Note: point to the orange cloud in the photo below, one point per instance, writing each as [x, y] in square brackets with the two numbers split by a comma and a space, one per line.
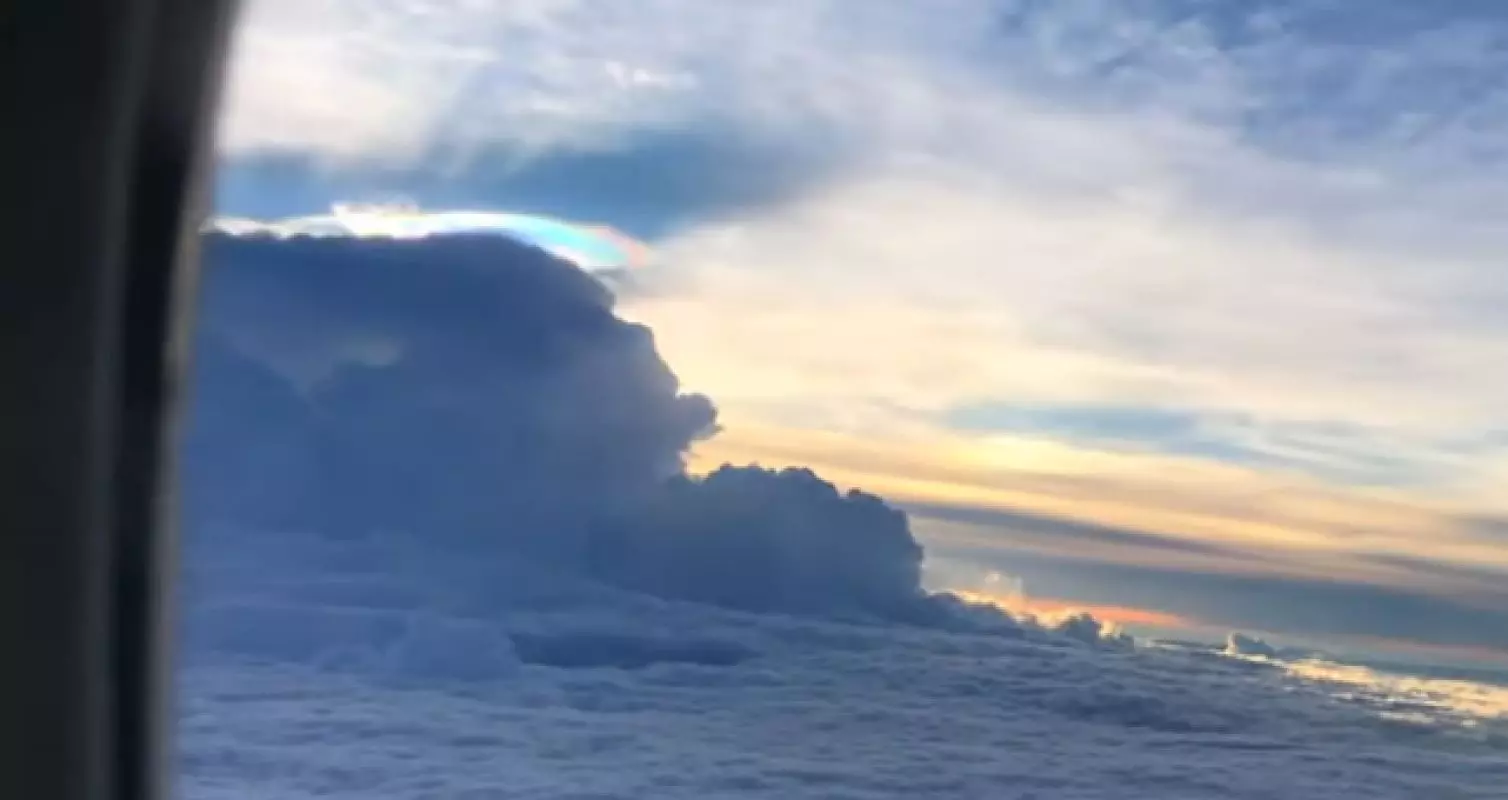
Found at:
[1051, 607]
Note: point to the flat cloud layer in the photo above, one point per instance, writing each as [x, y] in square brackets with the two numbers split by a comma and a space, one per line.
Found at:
[319, 668]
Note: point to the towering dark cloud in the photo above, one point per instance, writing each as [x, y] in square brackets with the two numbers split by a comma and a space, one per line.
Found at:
[482, 395]
[510, 397]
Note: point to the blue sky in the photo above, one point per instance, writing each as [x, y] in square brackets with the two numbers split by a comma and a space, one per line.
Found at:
[1221, 273]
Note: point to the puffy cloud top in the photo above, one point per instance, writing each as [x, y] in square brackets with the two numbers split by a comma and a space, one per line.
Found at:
[481, 394]
[750, 538]
[507, 398]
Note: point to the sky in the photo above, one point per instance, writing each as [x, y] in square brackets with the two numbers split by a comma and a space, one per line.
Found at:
[1188, 312]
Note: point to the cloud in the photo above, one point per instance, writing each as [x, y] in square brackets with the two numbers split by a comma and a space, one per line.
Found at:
[1093, 536]
[448, 649]
[1336, 452]
[771, 542]
[570, 75]
[1104, 300]
[517, 418]
[698, 175]
[514, 417]
[812, 708]
[1344, 613]
[1240, 644]
[588, 649]
[1113, 153]
[516, 392]
[1303, 526]
[582, 73]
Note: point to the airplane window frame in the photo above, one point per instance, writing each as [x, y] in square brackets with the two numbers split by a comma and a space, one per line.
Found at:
[104, 154]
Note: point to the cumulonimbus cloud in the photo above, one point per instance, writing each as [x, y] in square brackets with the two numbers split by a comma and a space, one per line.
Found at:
[518, 418]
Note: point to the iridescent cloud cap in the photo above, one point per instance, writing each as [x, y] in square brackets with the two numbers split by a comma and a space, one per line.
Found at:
[590, 247]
